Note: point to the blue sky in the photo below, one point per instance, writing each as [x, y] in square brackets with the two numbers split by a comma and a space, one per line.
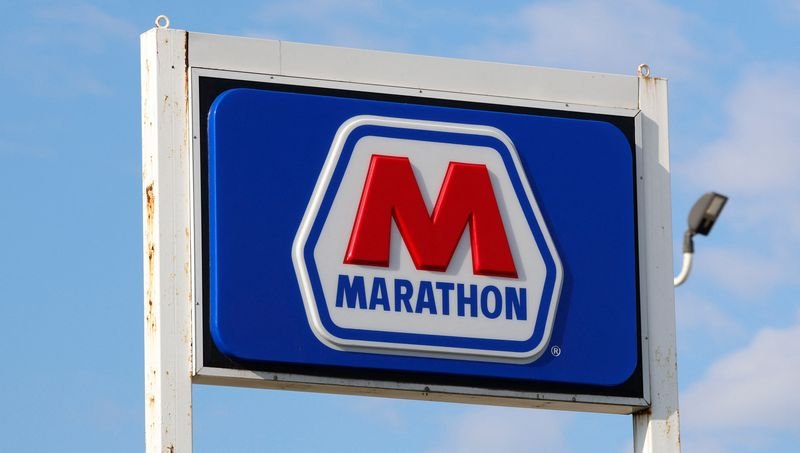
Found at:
[71, 266]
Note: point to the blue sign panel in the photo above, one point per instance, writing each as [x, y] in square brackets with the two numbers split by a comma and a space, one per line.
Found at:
[406, 238]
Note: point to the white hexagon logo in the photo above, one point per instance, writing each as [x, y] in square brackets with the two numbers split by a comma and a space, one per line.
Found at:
[423, 238]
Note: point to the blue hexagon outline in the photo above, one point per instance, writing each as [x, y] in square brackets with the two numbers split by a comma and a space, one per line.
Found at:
[444, 341]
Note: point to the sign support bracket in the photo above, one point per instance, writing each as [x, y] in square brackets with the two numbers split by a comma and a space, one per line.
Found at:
[166, 171]
[657, 430]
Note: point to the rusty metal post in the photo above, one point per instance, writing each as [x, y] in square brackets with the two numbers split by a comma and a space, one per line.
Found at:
[166, 174]
[657, 430]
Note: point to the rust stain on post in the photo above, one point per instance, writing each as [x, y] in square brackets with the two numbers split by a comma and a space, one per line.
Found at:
[150, 207]
[186, 85]
[187, 338]
[186, 62]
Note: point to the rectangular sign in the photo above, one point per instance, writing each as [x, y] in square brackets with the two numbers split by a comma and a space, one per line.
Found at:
[406, 238]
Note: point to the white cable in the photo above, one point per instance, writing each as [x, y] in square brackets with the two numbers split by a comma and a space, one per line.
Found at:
[685, 269]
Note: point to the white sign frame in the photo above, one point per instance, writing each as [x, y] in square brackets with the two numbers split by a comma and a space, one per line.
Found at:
[172, 62]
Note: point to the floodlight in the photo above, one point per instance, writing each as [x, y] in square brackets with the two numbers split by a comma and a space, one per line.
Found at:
[702, 217]
[705, 212]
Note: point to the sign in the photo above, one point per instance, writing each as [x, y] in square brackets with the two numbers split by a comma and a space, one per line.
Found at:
[447, 241]
[359, 222]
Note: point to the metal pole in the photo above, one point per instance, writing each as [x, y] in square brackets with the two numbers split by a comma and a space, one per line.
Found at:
[686, 268]
[657, 429]
[167, 242]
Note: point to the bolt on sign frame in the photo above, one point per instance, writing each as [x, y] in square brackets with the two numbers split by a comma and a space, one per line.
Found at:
[183, 73]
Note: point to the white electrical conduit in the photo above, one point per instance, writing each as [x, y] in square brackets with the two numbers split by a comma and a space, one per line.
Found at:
[685, 269]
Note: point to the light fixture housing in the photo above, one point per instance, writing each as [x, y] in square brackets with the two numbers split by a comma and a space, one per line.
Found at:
[705, 212]
[702, 217]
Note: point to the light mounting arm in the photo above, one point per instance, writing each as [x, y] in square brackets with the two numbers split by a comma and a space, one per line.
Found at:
[702, 217]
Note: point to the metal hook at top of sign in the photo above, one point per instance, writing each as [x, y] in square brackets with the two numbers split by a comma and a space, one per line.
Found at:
[643, 71]
[162, 21]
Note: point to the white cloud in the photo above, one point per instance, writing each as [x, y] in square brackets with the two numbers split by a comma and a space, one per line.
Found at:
[759, 154]
[609, 36]
[787, 10]
[757, 163]
[695, 314]
[748, 397]
[704, 445]
[73, 43]
[355, 23]
[382, 411]
[747, 274]
[320, 11]
[506, 430]
[752, 389]
[86, 25]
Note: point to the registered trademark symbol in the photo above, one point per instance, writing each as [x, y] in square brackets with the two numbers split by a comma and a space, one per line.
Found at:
[556, 351]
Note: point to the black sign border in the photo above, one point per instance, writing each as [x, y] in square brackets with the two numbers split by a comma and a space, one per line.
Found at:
[209, 88]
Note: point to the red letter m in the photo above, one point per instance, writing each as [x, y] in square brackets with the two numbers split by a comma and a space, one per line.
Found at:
[466, 198]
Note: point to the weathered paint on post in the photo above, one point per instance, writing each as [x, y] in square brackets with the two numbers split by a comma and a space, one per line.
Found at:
[167, 242]
[657, 429]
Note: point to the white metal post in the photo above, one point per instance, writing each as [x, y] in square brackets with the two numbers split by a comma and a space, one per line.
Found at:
[657, 429]
[167, 242]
